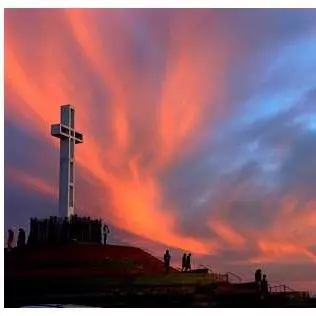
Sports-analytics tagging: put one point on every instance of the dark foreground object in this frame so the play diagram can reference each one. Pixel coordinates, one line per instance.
(148, 296)
(115, 276)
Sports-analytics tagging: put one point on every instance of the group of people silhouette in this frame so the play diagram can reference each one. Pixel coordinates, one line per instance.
(167, 260)
(186, 261)
(261, 282)
(63, 229)
(60, 230)
(21, 239)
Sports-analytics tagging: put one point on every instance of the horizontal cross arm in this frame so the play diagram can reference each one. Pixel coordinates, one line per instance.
(62, 131)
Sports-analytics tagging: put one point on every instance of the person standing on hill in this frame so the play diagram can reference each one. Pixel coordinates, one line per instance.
(106, 231)
(21, 238)
(258, 279)
(184, 262)
(188, 263)
(167, 259)
(264, 286)
(10, 239)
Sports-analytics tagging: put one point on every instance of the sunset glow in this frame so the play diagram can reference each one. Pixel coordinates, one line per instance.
(199, 127)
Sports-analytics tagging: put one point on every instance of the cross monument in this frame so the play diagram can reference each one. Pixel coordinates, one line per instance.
(68, 136)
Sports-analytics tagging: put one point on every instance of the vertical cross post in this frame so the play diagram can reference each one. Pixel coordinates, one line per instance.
(68, 136)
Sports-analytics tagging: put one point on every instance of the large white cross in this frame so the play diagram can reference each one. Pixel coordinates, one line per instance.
(65, 130)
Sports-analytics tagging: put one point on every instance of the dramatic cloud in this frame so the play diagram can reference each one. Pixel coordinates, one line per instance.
(199, 128)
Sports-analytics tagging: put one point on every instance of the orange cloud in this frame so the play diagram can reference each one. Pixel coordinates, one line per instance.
(189, 87)
(227, 234)
(276, 251)
(292, 233)
(32, 182)
(115, 79)
(55, 79)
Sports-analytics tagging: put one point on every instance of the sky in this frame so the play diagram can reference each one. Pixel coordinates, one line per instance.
(199, 130)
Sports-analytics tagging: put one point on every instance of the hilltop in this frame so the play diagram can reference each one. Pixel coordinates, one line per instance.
(109, 276)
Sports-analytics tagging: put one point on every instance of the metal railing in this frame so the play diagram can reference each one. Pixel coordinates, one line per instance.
(228, 277)
(281, 288)
(202, 266)
(217, 277)
(233, 277)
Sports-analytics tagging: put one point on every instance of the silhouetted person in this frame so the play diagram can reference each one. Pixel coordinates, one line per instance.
(50, 235)
(30, 240)
(65, 230)
(21, 238)
(188, 263)
(99, 233)
(264, 286)
(89, 229)
(34, 231)
(258, 279)
(10, 239)
(184, 261)
(106, 231)
(167, 259)
(72, 228)
(45, 230)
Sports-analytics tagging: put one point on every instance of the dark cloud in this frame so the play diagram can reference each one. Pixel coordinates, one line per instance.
(24, 150)
(21, 203)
